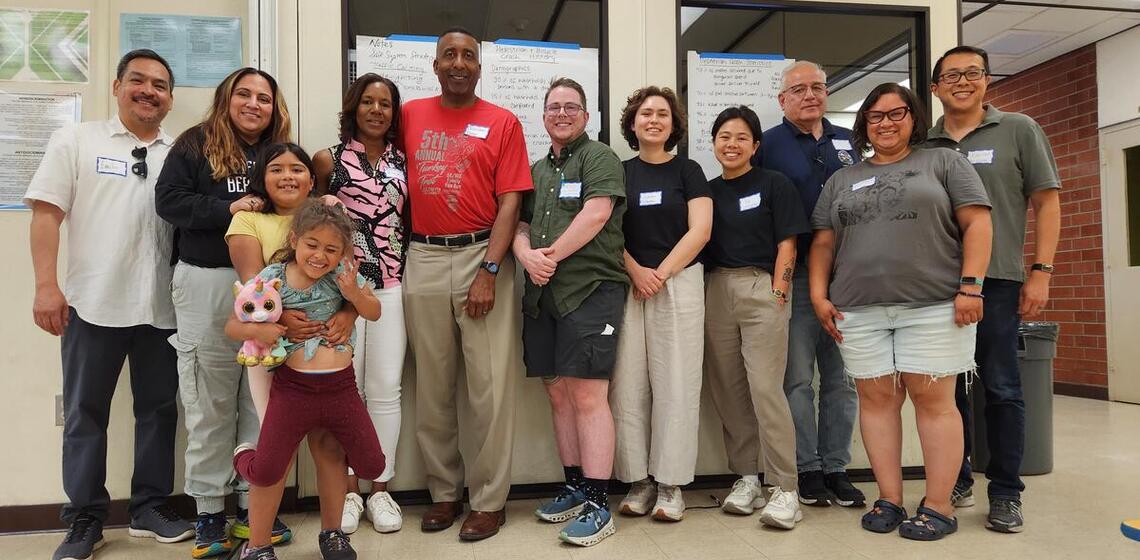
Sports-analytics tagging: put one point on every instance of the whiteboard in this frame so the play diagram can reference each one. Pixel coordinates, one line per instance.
(517, 73)
(515, 76)
(404, 59)
(720, 80)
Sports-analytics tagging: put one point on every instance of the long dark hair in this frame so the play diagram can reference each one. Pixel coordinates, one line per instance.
(314, 214)
(859, 138)
(351, 102)
(270, 153)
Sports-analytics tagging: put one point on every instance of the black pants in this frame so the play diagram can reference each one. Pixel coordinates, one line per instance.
(996, 355)
(93, 356)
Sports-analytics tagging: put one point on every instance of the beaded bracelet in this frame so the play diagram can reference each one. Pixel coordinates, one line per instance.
(968, 294)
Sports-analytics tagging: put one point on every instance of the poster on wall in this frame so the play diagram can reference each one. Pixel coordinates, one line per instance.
(44, 45)
(201, 50)
(515, 75)
(720, 80)
(26, 123)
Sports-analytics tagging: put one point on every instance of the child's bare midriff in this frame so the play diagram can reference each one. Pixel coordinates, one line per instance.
(325, 359)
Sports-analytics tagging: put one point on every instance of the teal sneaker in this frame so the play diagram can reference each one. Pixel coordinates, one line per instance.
(566, 505)
(592, 526)
(240, 529)
(210, 537)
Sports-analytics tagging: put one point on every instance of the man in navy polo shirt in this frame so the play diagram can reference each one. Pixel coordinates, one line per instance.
(808, 149)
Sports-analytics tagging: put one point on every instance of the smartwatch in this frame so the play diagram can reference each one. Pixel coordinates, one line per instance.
(970, 281)
(491, 267)
(1046, 268)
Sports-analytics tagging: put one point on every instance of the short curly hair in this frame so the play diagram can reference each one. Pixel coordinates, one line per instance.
(633, 103)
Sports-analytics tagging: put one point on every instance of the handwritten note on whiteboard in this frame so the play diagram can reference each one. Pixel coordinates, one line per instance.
(404, 59)
(517, 73)
(720, 80)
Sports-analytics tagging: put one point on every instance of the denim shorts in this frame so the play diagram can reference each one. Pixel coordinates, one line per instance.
(880, 340)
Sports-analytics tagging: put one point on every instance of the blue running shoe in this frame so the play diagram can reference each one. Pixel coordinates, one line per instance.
(210, 536)
(566, 505)
(592, 526)
(281, 533)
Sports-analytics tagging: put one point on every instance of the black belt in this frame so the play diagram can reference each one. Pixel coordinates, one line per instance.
(460, 240)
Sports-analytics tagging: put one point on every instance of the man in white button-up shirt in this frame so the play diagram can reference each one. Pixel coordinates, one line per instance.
(115, 303)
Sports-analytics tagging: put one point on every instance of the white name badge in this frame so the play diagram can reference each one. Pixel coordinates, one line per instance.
(477, 131)
(650, 198)
(394, 173)
(749, 202)
(108, 166)
(570, 190)
(980, 156)
(863, 183)
(841, 144)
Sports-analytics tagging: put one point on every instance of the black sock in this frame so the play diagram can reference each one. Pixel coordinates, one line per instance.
(573, 475)
(597, 491)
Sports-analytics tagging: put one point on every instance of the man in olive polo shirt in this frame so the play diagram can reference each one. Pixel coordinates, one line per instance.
(1012, 155)
(570, 242)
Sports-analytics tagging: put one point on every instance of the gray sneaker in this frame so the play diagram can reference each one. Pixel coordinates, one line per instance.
(1005, 515)
(83, 538)
(962, 496)
(162, 524)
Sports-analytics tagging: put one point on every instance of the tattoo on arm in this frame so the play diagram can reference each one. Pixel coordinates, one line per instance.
(787, 276)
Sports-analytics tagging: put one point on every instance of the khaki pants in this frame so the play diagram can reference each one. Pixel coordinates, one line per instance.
(656, 389)
(746, 334)
(445, 342)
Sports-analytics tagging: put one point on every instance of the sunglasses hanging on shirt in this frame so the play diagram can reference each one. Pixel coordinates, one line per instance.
(139, 168)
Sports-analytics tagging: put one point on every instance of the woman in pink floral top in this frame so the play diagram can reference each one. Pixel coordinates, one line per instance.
(366, 172)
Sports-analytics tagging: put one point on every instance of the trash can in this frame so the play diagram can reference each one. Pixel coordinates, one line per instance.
(1036, 348)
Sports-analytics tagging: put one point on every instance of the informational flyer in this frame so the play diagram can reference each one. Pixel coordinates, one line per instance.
(44, 45)
(26, 123)
(201, 50)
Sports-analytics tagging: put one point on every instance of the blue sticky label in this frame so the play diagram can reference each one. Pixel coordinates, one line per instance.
(417, 38)
(748, 56)
(543, 44)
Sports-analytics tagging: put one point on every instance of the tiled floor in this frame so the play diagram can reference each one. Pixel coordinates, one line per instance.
(1075, 512)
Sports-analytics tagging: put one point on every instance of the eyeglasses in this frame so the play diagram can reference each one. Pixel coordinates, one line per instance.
(895, 115)
(571, 109)
(973, 74)
(817, 89)
(139, 168)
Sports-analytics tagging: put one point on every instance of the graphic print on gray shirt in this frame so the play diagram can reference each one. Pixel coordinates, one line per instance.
(896, 238)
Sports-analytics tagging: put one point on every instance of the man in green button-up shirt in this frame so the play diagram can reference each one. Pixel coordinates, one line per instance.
(570, 242)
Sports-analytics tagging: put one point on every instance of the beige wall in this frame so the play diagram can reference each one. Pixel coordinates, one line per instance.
(642, 51)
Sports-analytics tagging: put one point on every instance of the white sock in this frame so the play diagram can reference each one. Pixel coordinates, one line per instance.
(752, 478)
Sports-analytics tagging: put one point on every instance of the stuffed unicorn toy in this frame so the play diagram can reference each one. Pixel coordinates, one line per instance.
(258, 301)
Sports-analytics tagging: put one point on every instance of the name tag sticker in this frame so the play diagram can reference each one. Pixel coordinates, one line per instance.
(863, 183)
(477, 131)
(841, 144)
(650, 198)
(749, 202)
(980, 156)
(570, 190)
(394, 173)
(108, 166)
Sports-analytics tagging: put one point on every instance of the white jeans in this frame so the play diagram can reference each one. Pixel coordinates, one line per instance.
(379, 365)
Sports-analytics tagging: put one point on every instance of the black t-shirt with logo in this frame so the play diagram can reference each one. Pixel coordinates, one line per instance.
(657, 210)
(751, 215)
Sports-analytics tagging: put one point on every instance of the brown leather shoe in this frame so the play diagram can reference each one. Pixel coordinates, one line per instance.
(482, 524)
(441, 515)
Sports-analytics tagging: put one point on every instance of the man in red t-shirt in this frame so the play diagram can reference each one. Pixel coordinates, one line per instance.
(467, 172)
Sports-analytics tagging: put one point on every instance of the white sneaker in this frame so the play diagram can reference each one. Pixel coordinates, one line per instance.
(640, 498)
(353, 507)
(783, 509)
(670, 504)
(744, 498)
(385, 513)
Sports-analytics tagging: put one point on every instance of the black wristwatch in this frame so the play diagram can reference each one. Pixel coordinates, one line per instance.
(491, 267)
(971, 281)
(1046, 268)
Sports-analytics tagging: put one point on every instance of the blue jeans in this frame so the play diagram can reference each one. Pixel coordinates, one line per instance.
(824, 446)
(996, 356)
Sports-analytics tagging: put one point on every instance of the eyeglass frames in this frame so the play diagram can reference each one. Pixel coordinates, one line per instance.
(139, 168)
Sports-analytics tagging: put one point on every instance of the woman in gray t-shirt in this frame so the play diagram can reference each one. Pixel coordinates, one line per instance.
(901, 242)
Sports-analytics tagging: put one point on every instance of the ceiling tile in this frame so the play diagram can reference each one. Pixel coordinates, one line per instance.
(994, 21)
(1065, 20)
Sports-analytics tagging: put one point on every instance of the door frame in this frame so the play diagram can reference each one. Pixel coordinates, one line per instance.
(1113, 140)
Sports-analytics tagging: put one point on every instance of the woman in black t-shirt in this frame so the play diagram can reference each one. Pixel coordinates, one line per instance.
(656, 390)
(757, 215)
